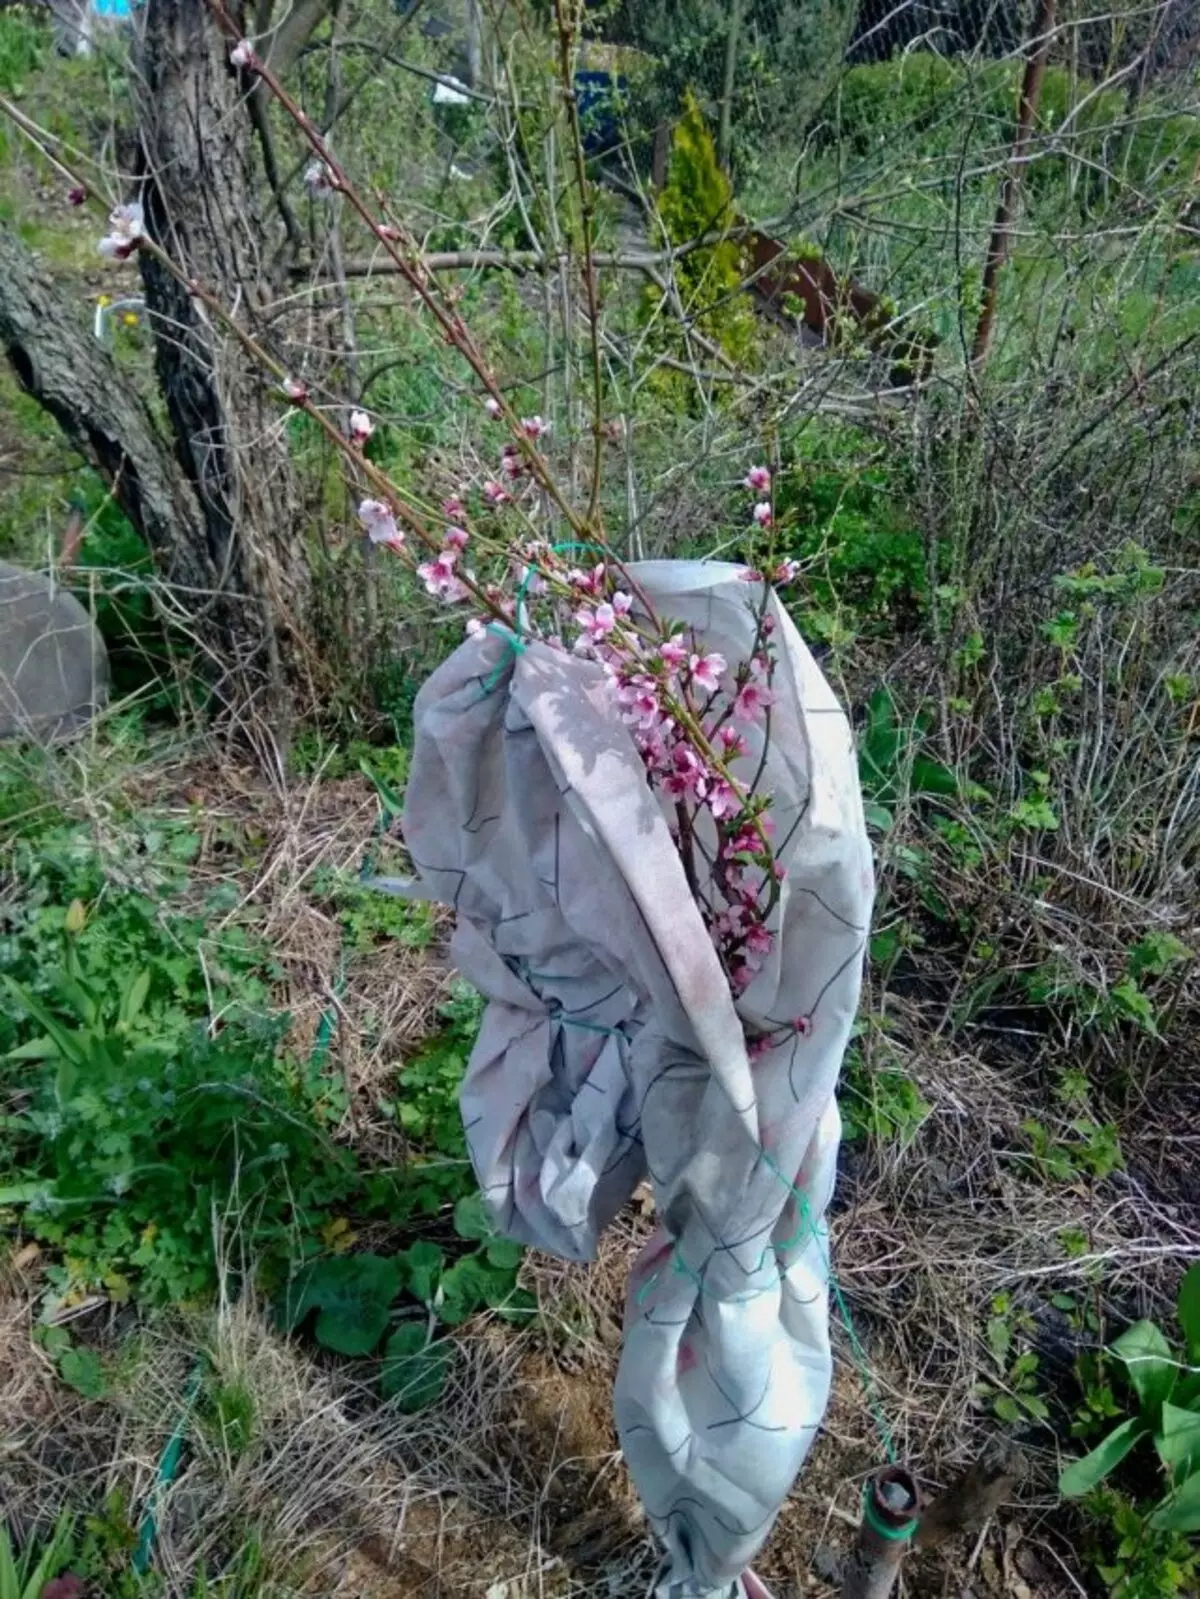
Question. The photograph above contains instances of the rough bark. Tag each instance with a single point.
(59, 363)
(201, 205)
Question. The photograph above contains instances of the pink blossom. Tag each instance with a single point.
(534, 427)
(622, 603)
(706, 670)
(786, 572)
(745, 842)
(758, 939)
(495, 492)
(639, 699)
(750, 574)
(453, 508)
(723, 799)
(762, 513)
(361, 428)
(439, 578)
(597, 623)
(493, 407)
(510, 462)
(732, 742)
(673, 653)
(687, 773)
(127, 229)
(380, 523)
(475, 626)
(757, 1048)
(758, 480)
(587, 582)
(455, 538)
(729, 922)
(242, 55)
(295, 390)
(803, 1025)
(760, 668)
(741, 977)
(752, 700)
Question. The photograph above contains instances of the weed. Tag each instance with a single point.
(353, 1299)
(1012, 1392)
(883, 1105)
(1148, 1542)
(30, 1574)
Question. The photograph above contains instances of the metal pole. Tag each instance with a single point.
(889, 1521)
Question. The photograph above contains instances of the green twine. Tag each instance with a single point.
(168, 1466)
(512, 636)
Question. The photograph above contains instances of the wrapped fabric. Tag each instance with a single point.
(612, 1048)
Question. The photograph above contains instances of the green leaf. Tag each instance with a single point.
(1181, 1511)
(473, 1219)
(423, 1262)
(1006, 1408)
(67, 1042)
(877, 816)
(24, 1193)
(134, 997)
(1152, 1369)
(469, 1285)
(505, 1253)
(1082, 1475)
(1188, 1311)
(54, 1557)
(10, 1587)
(1178, 1441)
(520, 1306)
(392, 803)
(932, 777)
(352, 1295)
(414, 1370)
(81, 1369)
(35, 1049)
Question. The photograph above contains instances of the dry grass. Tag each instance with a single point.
(513, 1483)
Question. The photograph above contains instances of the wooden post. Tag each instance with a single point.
(889, 1522)
(725, 132)
(1010, 189)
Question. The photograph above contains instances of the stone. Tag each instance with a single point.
(53, 663)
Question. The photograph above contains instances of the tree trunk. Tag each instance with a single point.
(200, 201)
(58, 362)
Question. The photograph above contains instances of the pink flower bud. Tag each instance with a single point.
(762, 513)
(295, 390)
(242, 56)
(76, 195)
(361, 428)
(493, 407)
(758, 480)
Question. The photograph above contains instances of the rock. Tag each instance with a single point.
(53, 664)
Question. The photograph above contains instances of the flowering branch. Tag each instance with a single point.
(700, 724)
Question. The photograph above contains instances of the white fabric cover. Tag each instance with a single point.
(611, 1047)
